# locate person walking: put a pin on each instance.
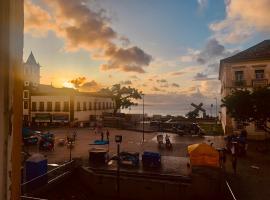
(108, 135)
(234, 157)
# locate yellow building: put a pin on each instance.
(247, 69)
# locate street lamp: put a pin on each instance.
(216, 111)
(118, 140)
(143, 117)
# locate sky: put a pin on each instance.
(168, 49)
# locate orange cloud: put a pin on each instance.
(77, 82)
(37, 21)
(83, 28)
(243, 19)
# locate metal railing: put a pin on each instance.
(31, 198)
(229, 189)
(239, 83)
(259, 82)
(49, 177)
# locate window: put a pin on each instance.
(25, 104)
(66, 106)
(25, 94)
(49, 106)
(103, 105)
(90, 106)
(95, 105)
(99, 105)
(239, 75)
(84, 106)
(110, 104)
(78, 106)
(26, 83)
(107, 106)
(57, 107)
(259, 74)
(41, 106)
(34, 106)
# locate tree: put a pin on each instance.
(249, 106)
(122, 96)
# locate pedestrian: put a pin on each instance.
(102, 136)
(234, 157)
(108, 135)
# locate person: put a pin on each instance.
(102, 136)
(108, 134)
(234, 157)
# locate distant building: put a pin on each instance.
(247, 69)
(43, 104)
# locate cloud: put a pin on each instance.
(179, 73)
(129, 60)
(175, 85)
(213, 49)
(243, 20)
(77, 82)
(156, 89)
(83, 28)
(133, 77)
(201, 76)
(91, 86)
(210, 87)
(202, 4)
(210, 55)
(161, 81)
(36, 20)
(127, 82)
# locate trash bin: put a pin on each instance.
(151, 159)
(98, 156)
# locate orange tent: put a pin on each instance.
(203, 155)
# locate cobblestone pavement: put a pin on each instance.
(132, 142)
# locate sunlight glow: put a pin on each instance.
(68, 85)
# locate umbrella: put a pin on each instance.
(203, 155)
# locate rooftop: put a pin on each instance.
(31, 60)
(260, 51)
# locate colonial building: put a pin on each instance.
(245, 70)
(43, 104)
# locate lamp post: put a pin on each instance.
(216, 110)
(143, 118)
(211, 110)
(118, 140)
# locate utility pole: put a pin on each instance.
(143, 117)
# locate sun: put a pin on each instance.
(68, 84)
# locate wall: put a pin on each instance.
(227, 83)
(52, 99)
(83, 115)
(11, 51)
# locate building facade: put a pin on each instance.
(45, 104)
(245, 70)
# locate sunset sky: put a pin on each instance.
(169, 49)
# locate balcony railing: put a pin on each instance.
(240, 83)
(259, 82)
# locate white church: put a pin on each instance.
(45, 104)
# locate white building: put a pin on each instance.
(43, 104)
(245, 70)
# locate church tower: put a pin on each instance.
(31, 78)
(31, 71)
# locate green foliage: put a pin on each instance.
(245, 106)
(123, 96)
